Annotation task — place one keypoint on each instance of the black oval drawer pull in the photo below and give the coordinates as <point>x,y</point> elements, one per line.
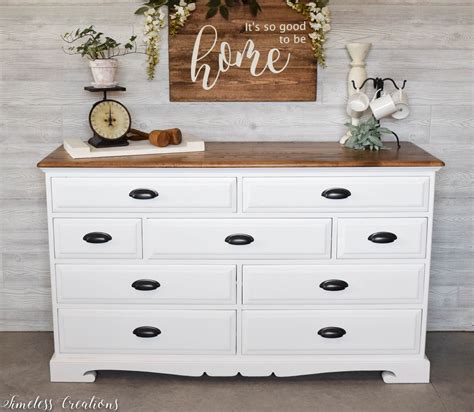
<point>97,237</point>
<point>143,194</point>
<point>333,285</point>
<point>239,239</point>
<point>146,332</point>
<point>336,193</point>
<point>331,332</point>
<point>145,284</point>
<point>383,237</point>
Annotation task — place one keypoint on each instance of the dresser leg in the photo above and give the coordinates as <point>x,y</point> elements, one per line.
<point>70,371</point>
<point>417,371</point>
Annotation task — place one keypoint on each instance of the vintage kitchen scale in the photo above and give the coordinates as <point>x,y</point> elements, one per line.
<point>109,120</point>
<point>113,134</point>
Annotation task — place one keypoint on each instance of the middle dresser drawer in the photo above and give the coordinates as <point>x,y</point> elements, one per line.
<point>97,238</point>
<point>374,238</point>
<point>237,238</point>
<point>146,284</point>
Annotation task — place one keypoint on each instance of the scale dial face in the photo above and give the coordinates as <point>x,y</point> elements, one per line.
<point>110,119</point>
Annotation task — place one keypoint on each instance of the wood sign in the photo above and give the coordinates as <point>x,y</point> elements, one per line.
<point>245,58</point>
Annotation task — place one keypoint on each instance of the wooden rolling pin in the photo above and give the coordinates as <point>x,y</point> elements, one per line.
<point>160,138</point>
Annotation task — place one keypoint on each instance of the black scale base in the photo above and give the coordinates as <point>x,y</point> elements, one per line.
<point>100,143</point>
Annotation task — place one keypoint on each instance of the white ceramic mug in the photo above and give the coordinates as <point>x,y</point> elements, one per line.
<point>358,102</point>
<point>352,113</point>
<point>400,99</point>
<point>383,106</point>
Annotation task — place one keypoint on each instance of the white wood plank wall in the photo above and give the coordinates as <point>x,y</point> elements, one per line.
<point>428,42</point>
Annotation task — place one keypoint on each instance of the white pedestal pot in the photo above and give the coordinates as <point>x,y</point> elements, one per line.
<point>103,72</point>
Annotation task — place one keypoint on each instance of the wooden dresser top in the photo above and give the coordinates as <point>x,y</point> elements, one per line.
<point>258,154</point>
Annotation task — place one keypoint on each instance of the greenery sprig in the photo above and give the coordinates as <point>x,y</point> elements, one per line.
<point>318,15</point>
<point>215,6</point>
<point>366,135</point>
<point>156,4</point>
<point>153,23</point>
<point>97,46</point>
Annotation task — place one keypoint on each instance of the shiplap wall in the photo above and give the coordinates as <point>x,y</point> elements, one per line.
<point>428,42</point>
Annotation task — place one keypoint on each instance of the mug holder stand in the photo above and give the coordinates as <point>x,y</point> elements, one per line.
<point>378,84</point>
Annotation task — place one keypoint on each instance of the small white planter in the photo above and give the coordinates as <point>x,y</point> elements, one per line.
<point>103,72</point>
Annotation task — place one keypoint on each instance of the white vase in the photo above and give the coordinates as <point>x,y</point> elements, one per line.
<point>103,72</point>
<point>358,53</point>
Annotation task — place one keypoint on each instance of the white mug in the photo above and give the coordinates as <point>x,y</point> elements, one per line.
<point>358,102</point>
<point>400,99</point>
<point>352,113</point>
<point>383,106</point>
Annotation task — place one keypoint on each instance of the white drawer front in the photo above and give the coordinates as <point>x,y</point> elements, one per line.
<point>206,238</point>
<point>304,194</point>
<point>181,331</point>
<point>159,284</point>
<point>353,238</point>
<point>296,332</point>
<point>174,194</point>
<point>125,242</point>
<point>335,284</point>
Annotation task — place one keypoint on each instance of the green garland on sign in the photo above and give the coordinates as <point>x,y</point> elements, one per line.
<point>315,12</point>
<point>223,7</point>
<point>319,17</point>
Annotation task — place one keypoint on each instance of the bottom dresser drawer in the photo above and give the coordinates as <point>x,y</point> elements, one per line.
<point>344,332</point>
<point>147,331</point>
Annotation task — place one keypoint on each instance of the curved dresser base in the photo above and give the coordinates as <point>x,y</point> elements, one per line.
<point>82,368</point>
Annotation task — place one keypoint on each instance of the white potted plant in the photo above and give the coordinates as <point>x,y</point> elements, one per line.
<point>101,50</point>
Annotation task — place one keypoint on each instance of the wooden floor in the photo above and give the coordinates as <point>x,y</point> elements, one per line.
<point>24,372</point>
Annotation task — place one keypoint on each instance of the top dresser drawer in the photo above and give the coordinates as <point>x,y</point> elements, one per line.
<point>150,194</point>
<point>329,194</point>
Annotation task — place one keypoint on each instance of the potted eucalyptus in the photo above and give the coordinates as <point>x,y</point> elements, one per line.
<point>101,50</point>
<point>366,135</point>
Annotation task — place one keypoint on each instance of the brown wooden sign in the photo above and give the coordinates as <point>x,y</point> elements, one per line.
<point>245,58</point>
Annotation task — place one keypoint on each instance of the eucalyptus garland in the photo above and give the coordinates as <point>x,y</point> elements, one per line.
<point>315,12</point>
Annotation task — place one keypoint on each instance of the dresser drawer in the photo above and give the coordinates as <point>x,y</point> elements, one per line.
<point>335,284</point>
<point>296,332</point>
<point>159,284</point>
<point>97,238</point>
<point>133,331</point>
<point>144,194</point>
<point>381,238</point>
<point>237,238</point>
<point>329,194</point>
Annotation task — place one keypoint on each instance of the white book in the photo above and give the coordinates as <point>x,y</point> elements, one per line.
<point>79,149</point>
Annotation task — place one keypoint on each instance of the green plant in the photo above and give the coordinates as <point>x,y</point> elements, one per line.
<point>366,135</point>
<point>97,46</point>
<point>223,7</point>
<point>156,4</point>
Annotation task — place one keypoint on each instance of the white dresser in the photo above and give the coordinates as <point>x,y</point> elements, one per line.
<point>249,258</point>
